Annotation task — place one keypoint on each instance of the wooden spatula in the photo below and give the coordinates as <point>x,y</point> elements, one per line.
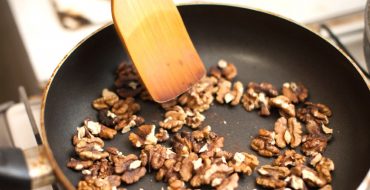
<point>159,46</point>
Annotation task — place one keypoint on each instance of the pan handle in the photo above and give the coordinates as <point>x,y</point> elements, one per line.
<point>24,169</point>
<point>13,169</point>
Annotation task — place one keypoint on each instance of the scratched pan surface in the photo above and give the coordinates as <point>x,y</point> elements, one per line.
<point>264,48</point>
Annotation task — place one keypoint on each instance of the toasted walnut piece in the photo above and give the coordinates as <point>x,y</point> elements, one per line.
<point>145,135</point>
<point>107,183</point>
<point>265,88</point>
<point>126,124</point>
<point>108,118</point>
<point>243,162</point>
<point>313,144</point>
<point>79,164</point>
<point>223,69</point>
<point>107,133</point>
<point>186,171</point>
<point>200,96</point>
<point>264,143</point>
<point>229,183</point>
<point>167,171</point>
<point>278,172</point>
<point>216,171</point>
<point>237,91</point>
<point>326,187</point>
<point>270,182</point>
<point>93,127</point>
<point>289,158</point>
<point>113,150</point>
<point>175,184</point>
<point>174,119</point>
<point>155,155</point>
<point>122,163</point>
<point>162,135</point>
<point>182,143</point>
<point>132,176</point>
<point>295,92</point>
<point>169,105</point>
<point>284,104</point>
<point>91,149</point>
<point>280,129</point>
<point>295,182</point>
<point>107,100</point>
<point>320,113</point>
<point>193,118</point>
<point>295,132</point>
<point>324,167</point>
<point>100,169</point>
<point>224,87</point>
<point>125,108</point>
<point>202,133</point>
<point>128,82</point>
<point>312,178</point>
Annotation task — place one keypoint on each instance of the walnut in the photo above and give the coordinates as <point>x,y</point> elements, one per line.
<point>312,178</point>
<point>319,130</point>
<point>237,93</point>
<point>319,113</point>
<point>125,108</point>
<point>169,105</point>
<point>162,135</point>
<point>106,101</point>
<point>79,164</point>
<point>186,170</point>
<point>264,143</point>
<point>167,171</point>
<point>128,81</point>
<point>224,87</point>
<point>174,119</point>
<point>182,143</point>
<point>122,163</point>
<point>93,127</point>
<point>134,175</point>
<point>145,135</point>
<point>126,124</point>
<point>202,133</point>
<point>295,182</point>
<point>324,167</point>
<point>200,96</point>
<point>289,158</point>
<point>113,150</point>
<point>313,144</point>
<point>284,104</point>
<point>175,184</point>
<point>229,183</point>
<point>107,133</point>
<point>293,135</point>
<point>194,118</point>
<point>223,69</point>
<point>295,92</point>
<point>272,176</point>
<point>100,169</point>
<point>107,183</point>
<point>91,148</point>
<point>280,130</point>
<point>257,96</point>
<point>244,163</point>
<point>326,187</point>
<point>155,155</point>
<point>213,172</point>
<point>108,118</point>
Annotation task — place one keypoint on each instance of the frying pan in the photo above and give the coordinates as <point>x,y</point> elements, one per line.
<point>264,47</point>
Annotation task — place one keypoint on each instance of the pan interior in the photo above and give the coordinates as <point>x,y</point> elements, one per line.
<point>264,48</point>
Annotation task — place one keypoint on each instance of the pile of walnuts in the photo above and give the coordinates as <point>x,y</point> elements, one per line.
<point>195,159</point>
<point>305,127</point>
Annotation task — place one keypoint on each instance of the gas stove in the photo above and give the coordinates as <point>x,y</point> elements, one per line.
<point>344,29</point>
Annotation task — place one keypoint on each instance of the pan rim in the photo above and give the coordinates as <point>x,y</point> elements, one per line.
<point>61,177</point>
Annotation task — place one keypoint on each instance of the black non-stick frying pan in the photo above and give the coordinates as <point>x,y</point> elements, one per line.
<point>264,47</point>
